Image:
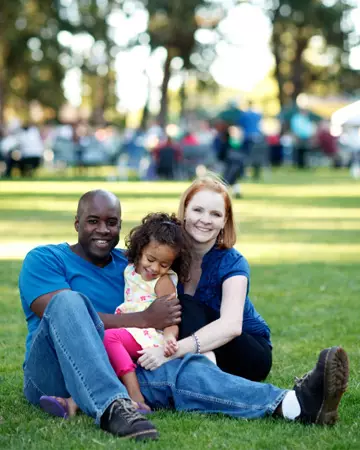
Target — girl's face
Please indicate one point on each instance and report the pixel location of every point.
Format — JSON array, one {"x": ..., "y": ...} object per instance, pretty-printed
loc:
[
  {"x": 156, "y": 260},
  {"x": 205, "y": 216}
]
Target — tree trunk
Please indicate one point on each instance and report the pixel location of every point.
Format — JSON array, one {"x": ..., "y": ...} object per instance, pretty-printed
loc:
[
  {"x": 3, "y": 55},
  {"x": 183, "y": 97},
  {"x": 278, "y": 75},
  {"x": 97, "y": 115},
  {"x": 2, "y": 102},
  {"x": 298, "y": 69},
  {"x": 163, "y": 114},
  {"x": 146, "y": 110}
]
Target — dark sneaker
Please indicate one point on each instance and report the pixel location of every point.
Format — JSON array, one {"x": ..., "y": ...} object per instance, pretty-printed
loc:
[
  {"x": 122, "y": 419},
  {"x": 319, "y": 391}
]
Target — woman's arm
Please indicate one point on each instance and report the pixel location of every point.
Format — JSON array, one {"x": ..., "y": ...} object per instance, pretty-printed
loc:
[
  {"x": 213, "y": 335},
  {"x": 228, "y": 326}
]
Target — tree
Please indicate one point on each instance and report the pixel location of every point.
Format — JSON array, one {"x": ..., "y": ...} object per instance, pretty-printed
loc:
[
  {"x": 29, "y": 65},
  {"x": 310, "y": 45},
  {"x": 173, "y": 25}
]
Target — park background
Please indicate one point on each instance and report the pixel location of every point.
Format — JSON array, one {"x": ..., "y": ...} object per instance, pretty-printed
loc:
[{"x": 130, "y": 63}]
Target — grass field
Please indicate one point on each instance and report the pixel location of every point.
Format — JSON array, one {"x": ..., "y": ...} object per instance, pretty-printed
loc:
[{"x": 301, "y": 235}]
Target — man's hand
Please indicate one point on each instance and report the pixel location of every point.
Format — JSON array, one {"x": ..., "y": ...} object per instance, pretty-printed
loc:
[
  {"x": 171, "y": 346},
  {"x": 151, "y": 358},
  {"x": 163, "y": 312}
]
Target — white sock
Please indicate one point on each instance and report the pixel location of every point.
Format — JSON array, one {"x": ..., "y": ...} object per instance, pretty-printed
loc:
[
  {"x": 290, "y": 406},
  {"x": 236, "y": 189}
]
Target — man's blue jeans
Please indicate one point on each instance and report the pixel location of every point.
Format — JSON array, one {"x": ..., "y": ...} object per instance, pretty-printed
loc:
[
  {"x": 194, "y": 383},
  {"x": 67, "y": 357}
]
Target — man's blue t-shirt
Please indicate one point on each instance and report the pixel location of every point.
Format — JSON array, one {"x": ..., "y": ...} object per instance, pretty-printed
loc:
[
  {"x": 217, "y": 266},
  {"x": 50, "y": 268}
]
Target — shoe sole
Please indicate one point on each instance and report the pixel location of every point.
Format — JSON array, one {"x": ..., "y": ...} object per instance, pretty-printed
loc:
[
  {"x": 335, "y": 384},
  {"x": 152, "y": 435}
]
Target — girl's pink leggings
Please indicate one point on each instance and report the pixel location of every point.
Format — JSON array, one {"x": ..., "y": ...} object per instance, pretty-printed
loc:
[{"x": 122, "y": 350}]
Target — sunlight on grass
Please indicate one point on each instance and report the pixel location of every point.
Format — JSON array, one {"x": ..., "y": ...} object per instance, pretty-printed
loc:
[
  {"x": 80, "y": 187},
  {"x": 352, "y": 189},
  {"x": 272, "y": 209},
  {"x": 314, "y": 225}
]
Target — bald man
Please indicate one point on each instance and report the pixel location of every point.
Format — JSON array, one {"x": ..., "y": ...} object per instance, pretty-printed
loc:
[{"x": 69, "y": 294}]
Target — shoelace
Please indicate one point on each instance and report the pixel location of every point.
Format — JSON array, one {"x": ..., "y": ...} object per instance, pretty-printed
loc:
[
  {"x": 300, "y": 381},
  {"x": 127, "y": 411}
]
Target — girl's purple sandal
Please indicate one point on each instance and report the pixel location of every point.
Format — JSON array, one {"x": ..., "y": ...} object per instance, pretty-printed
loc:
[
  {"x": 142, "y": 409},
  {"x": 54, "y": 407}
]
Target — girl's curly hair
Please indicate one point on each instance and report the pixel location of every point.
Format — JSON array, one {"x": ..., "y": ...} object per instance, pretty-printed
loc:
[{"x": 167, "y": 230}]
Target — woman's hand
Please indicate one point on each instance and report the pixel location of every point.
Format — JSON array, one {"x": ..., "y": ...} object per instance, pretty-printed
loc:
[{"x": 151, "y": 358}]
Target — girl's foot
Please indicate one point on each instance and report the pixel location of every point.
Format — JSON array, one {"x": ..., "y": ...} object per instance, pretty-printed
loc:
[
  {"x": 142, "y": 407},
  {"x": 59, "y": 406}
]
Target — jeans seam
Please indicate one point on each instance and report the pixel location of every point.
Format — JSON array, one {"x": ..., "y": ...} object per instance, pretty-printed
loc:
[
  {"x": 30, "y": 380},
  {"x": 277, "y": 402},
  {"x": 37, "y": 334},
  {"x": 99, "y": 326}
]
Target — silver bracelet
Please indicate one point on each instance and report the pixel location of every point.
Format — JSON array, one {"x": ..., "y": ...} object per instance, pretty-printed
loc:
[{"x": 197, "y": 343}]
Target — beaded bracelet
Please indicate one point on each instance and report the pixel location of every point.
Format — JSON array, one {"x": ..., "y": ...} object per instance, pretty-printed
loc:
[{"x": 197, "y": 343}]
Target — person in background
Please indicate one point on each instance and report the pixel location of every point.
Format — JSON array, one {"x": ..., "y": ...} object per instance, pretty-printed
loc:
[
  {"x": 253, "y": 141},
  {"x": 303, "y": 129},
  {"x": 328, "y": 143},
  {"x": 167, "y": 157},
  {"x": 189, "y": 138}
]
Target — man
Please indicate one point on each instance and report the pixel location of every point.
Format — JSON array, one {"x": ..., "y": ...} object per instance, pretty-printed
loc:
[
  {"x": 68, "y": 295},
  {"x": 254, "y": 146}
]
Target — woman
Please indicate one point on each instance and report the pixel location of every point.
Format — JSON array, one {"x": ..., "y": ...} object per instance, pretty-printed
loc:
[{"x": 217, "y": 313}]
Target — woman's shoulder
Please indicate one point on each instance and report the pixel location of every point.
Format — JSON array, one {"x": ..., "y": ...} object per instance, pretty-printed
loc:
[
  {"x": 230, "y": 254},
  {"x": 233, "y": 259}
]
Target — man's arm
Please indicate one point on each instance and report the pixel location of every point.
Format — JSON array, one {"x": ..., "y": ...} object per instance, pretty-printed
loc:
[
  {"x": 38, "y": 306},
  {"x": 163, "y": 312}
]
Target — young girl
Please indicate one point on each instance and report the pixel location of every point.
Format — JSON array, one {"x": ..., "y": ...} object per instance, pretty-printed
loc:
[{"x": 158, "y": 254}]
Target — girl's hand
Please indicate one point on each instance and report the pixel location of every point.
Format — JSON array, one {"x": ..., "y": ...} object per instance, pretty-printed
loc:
[
  {"x": 171, "y": 345},
  {"x": 151, "y": 358}
]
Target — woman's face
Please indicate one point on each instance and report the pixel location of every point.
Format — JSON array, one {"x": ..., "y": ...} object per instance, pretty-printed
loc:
[{"x": 205, "y": 216}]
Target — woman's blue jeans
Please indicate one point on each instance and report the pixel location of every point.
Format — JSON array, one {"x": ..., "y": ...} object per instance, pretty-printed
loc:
[{"x": 67, "y": 358}]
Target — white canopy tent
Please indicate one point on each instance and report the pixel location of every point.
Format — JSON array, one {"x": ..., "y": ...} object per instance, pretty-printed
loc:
[{"x": 347, "y": 116}]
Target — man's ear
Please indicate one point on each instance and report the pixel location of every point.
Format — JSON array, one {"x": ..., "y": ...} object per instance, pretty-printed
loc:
[{"x": 76, "y": 224}]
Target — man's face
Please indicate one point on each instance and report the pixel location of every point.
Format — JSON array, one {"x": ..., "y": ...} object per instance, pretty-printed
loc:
[{"x": 98, "y": 228}]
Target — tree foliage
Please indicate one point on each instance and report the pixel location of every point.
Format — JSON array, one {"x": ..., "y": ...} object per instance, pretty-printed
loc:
[
  {"x": 29, "y": 54},
  {"x": 173, "y": 25},
  {"x": 310, "y": 43}
]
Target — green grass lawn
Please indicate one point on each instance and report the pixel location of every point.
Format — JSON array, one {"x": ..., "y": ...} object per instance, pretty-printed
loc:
[{"x": 301, "y": 235}]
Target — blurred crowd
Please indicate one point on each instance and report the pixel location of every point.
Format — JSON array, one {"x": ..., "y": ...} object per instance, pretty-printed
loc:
[{"x": 234, "y": 145}]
